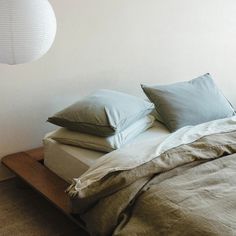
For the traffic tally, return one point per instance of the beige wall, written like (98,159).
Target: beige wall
(116,44)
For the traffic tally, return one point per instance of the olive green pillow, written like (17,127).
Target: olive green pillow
(103,113)
(189,103)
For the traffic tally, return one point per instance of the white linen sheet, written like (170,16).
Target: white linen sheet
(66,161)
(70,162)
(135,155)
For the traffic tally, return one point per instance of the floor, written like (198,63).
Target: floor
(24,212)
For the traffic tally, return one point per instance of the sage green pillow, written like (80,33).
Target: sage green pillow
(103,113)
(189,103)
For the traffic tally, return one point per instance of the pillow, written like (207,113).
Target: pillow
(189,103)
(104,144)
(103,113)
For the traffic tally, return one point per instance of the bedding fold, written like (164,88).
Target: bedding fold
(131,157)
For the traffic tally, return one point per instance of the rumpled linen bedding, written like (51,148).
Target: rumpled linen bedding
(185,185)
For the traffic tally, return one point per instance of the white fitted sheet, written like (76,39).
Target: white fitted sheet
(70,162)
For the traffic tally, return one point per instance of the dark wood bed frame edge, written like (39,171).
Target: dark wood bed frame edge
(29,167)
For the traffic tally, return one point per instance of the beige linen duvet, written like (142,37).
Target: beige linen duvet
(188,188)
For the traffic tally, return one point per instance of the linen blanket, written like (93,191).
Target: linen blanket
(187,186)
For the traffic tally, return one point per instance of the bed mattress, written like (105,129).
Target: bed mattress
(70,162)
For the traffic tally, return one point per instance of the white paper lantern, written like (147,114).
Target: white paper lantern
(27,30)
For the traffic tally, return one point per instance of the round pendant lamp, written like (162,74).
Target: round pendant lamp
(27,30)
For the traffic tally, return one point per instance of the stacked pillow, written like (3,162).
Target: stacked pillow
(106,120)
(103,121)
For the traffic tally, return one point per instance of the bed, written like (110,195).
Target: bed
(193,196)
(159,183)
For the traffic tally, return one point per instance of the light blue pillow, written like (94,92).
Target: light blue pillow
(104,144)
(103,113)
(189,103)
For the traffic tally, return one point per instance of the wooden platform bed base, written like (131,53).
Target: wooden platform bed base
(29,167)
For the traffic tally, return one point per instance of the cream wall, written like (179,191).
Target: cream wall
(116,44)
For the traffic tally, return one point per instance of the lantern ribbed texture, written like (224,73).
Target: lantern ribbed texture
(27,30)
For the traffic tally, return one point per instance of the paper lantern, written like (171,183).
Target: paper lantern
(27,30)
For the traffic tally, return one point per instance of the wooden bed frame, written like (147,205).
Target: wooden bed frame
(29,167)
